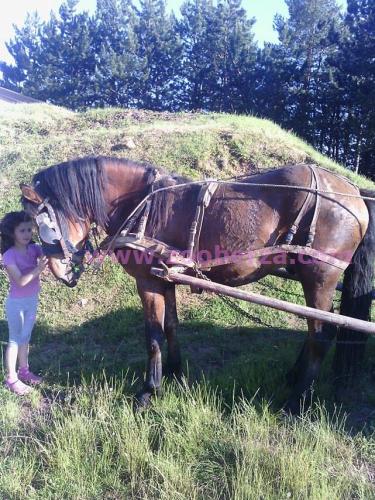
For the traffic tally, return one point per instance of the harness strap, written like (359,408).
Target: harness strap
(312,231)
(277,249)
(204,197)
(294,227)
(208,188)
(174,257)
(145,207)
(143,220)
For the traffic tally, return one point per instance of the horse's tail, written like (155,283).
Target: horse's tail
(356,299)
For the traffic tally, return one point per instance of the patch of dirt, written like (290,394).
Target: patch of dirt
(140,116)
(149,116)
(5,185)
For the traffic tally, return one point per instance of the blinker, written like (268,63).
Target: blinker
(47,232)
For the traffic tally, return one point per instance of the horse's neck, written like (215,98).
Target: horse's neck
(125,188)
(172,214)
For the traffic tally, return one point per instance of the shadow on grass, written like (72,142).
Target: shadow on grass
(236,362)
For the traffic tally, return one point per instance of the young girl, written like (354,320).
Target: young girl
(24,262)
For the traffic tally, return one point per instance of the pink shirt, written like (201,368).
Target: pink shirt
(25,262)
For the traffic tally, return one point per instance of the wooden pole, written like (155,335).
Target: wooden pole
(282,305)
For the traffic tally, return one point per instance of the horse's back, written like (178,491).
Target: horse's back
(342,217)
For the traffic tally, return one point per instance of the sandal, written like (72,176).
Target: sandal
(25,375)
(18,387)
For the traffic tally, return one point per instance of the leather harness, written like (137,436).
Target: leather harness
(185,260)
(315,184)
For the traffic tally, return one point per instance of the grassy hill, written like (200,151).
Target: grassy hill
(218,436)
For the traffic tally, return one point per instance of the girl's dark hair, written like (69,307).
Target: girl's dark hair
(7,226)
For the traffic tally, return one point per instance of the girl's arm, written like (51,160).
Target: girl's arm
(23,280)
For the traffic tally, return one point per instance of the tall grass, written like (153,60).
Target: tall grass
(190,445)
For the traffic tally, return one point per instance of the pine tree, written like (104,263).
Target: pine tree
(24,49)
(356,70)
(66,62)
(218,55)
(234,55)
(273,76)
(307,42)
(197,70)
(118,67)
(160,50)
(54,60)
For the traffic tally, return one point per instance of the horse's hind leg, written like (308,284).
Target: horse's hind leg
(173,365)
(319,282)
(152,294)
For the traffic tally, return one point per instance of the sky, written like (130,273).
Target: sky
(14,12)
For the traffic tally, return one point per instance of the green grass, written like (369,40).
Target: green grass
(90,444)
(221,434)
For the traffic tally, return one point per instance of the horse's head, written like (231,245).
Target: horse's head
(65,199)
(64,241)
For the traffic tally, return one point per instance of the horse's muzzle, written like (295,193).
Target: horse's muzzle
(70,284)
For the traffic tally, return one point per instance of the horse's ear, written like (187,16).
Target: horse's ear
(30,194)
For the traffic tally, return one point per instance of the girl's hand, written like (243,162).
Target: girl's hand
(23,280)
(42,263)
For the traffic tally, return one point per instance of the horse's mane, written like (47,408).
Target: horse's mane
(162,202)
(76,187)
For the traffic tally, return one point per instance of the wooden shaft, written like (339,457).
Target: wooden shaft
(282,305)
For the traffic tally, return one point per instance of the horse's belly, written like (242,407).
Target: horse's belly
(237,274)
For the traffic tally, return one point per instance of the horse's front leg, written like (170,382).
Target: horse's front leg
(152,293)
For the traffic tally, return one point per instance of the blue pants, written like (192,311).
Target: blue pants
(21,316)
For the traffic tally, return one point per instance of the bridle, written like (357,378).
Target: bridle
(54,235)
(54,239)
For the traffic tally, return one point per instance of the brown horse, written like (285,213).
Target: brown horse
(241,217)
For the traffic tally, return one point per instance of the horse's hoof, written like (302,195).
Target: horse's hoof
(142,401)
(292,407)
(172,372)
